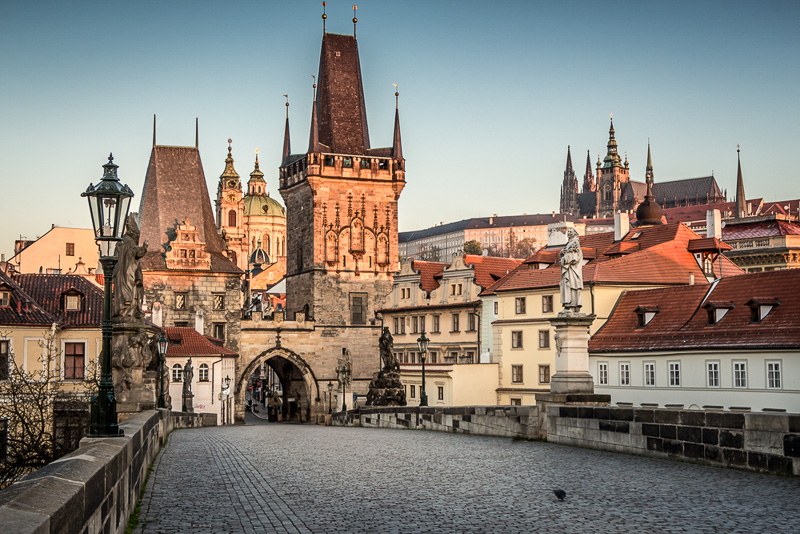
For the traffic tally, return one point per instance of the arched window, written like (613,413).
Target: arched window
(203,372)
(177,373)
(232,218)
(265,245)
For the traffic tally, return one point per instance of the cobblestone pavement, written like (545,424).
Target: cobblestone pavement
(306,478)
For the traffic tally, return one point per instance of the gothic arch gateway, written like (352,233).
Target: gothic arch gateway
(298,381)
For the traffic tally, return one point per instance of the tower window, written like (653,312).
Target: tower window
(70,249)
(232,218)
(358,308)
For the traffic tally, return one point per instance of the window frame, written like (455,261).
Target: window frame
(435,323)
(75,300)
(455,322)
(412,391)
(177,373)
(200,372)
(743,371)
(72,374)
(181,299)
(516,339)
(544,341)
(517,375)
(674,368)
(440,393)
(215,327)
(709,365)
(769,378)
(602,373)
(364,305)
(625,374)
(70,249)
(544,373)
(519,305)
(547,303)
(218,301)
(649,366)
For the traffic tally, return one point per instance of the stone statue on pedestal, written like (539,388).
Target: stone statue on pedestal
(571,259)
(385,388)
(188,376)
(128,279)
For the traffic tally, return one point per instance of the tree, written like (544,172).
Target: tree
(43,419)
(523,248)
(429,253)
(473,247)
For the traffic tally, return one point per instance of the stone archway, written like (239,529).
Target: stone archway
(299,384)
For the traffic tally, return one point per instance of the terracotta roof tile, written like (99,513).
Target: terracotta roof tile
(489,269)
(48,291)
(759,229)
(428,271)
(186,341)
(22,308)
(682,324)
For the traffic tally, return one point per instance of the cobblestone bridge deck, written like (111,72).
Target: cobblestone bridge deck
(304,478)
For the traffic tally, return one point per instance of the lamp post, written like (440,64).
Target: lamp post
(344,371)
(422,343)
(330,396)
(108,204)
(162,344)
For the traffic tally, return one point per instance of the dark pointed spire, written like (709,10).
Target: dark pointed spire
(741,200)
(648,175)
(569,160)
(397,147)
(313,137)
(612,142)
(287,148)
(588,178)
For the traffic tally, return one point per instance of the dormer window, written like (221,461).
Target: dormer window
(5,298)
(636,235)
(72,303)
(760,308)
(645,314)
(717,310)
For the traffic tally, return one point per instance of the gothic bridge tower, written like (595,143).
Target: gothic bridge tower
(341,201)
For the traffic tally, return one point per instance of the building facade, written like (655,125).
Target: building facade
(58,251)
(733,345)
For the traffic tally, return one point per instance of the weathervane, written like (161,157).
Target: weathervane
(324,16)
(354,20)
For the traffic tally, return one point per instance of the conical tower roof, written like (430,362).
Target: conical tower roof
(741,200)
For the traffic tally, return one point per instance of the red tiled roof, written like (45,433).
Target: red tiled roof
(48,291)
(186,341)
(682,324)
(688,214)
(707,244)
(489,269)
(758,229)
(662,258)
(428,270)
(22,309)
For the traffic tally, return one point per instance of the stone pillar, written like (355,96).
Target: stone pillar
(572,353)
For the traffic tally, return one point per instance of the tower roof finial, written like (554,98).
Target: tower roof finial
(741,200)
(397,147)
(396,97)
(324,16)
(355,20)
(287,146)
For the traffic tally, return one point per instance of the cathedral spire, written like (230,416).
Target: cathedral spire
(569,160)
(741,200)
(648,175)
(397,147)
(287,147)
(612,142)
(588,178)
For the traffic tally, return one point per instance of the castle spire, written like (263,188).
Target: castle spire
(741,200)
(397,147)
(612,142)
(313,137)
(588,178)
(569,160)
(287,147)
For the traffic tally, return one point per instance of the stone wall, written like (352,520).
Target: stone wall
(753,441)
(95,488)
(502,421)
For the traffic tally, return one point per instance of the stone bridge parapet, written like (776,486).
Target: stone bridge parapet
(96,487)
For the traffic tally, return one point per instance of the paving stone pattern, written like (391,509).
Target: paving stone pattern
(307,478)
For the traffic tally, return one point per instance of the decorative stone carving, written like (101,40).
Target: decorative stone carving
(128,280)
(385,388)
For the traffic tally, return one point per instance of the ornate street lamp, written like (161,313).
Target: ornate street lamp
(108,203)
(344,371)
(330,396)
(162,344)
(422,343)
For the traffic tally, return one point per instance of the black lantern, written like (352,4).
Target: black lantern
(330,396)
(422,343)
(108,203)
(162,344)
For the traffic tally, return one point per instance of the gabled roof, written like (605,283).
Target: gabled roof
(688,214)
(175,191)
(489,269)
(646,255)
(186,341)
(22,308)
(48,291)
(760,229)
(688,189)
(682,324)
(428,272)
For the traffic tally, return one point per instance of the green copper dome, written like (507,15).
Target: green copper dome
(262,205)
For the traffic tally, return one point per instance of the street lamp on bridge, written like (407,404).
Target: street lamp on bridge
(162,344)
(330,396)
(344,371)
(422,343)
(109,201)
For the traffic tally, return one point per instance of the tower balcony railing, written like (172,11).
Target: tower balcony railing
(339,165)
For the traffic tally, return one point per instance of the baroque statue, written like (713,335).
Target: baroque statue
(188,375)
(386,345)
(571,259)
(128,280)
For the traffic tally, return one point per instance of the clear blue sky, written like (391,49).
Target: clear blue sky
(491,94)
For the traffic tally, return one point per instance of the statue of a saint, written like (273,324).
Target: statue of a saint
(188,375)
(386,344)
(128,280)
(571,284)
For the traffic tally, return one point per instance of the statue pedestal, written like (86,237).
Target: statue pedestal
(133,367)
(385,389)
(572,353)
(188,403)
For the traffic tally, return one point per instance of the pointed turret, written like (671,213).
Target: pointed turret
(569,188)
(569,160)
(612,158)
(397,147)
(313,137)
(256,185)
(229,179)
(648,175)
(287,147)
(741,200)
(588,178)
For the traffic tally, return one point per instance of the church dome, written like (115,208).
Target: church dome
(648,212)
(259,256)
(263,205)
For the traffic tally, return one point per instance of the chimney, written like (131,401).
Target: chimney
(691,279)
(621,225)
(714,224)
